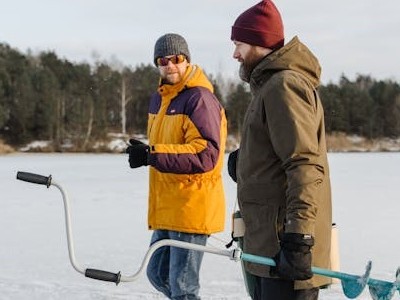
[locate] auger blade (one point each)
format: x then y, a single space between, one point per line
353 286
382 290
398 279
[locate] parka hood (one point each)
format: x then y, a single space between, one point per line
293 56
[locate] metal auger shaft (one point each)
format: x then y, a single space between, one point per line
352 285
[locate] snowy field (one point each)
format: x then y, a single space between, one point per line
109 218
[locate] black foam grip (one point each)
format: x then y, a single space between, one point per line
103 275
34 178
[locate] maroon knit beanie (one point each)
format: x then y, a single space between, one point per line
260 25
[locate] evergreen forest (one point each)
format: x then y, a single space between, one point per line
44 97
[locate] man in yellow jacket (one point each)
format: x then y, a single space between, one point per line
187 134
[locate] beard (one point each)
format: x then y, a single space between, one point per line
171 78
244 72
248 64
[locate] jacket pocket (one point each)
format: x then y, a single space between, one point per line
264 224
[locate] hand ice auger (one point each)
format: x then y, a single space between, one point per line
352 285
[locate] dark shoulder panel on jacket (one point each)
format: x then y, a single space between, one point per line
192 98
155 103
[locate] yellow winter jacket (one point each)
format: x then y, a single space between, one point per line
187 135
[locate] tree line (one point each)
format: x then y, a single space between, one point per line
44 97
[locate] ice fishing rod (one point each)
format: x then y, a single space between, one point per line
352 285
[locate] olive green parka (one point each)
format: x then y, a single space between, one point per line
282 167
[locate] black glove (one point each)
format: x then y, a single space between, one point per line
232 158
293 261
138 153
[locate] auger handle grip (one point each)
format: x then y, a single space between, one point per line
34 178
103 275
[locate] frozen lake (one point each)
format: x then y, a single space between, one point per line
109 216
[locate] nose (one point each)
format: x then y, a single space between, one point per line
236 54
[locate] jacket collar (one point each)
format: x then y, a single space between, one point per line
194 76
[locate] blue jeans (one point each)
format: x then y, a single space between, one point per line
175 271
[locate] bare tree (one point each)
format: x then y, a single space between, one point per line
89 127
124 101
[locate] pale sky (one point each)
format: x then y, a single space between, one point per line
349 37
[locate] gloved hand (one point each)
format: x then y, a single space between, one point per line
293 261
232 158
138 153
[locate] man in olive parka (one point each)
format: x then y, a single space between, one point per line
281 168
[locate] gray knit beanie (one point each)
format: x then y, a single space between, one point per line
171 44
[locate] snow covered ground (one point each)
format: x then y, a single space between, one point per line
109 211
